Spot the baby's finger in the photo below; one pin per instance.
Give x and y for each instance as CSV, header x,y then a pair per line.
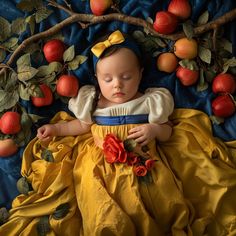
x,y
134,130
133,135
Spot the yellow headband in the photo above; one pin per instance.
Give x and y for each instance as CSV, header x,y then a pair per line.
x,y
115,38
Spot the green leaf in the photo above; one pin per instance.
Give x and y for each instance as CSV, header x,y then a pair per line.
x,y
2,55
190,64
4,215
129,145
139,36
11,43
203,19
30,49
42,13
23,185
48,79
31,21
12,82
8,99
24,92
24,136
202,85
229,63
18,26
69,54
159,42
226,44
35,91
26,72
216,120
210,75
204,54
78,60
47,155
5,29
188,29
35,118
44,71
150,21
43,226
38,4
25,5
61,211
24,60
55,67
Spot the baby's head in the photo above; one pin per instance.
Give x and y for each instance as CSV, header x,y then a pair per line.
x,y
111,43
117,66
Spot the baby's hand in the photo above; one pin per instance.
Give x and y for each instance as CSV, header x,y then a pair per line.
x,y
46,132
142,134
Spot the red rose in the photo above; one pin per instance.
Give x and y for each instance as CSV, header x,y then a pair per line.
x,y
149,163
113,149
140,170
132,159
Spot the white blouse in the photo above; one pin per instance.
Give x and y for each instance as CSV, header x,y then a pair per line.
x,y
158,103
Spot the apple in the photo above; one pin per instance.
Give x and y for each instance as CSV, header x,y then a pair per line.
x,y
98,7
223,106
7,147
224,83
165,22
47,98
185,48
180,8
53,50
67,85
186,76
167,62
10,122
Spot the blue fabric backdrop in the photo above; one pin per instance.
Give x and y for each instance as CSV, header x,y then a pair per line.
x,y
185,97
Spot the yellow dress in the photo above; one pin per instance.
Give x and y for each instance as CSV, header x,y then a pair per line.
x,y
193,180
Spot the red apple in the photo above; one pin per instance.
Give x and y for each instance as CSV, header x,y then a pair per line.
x,y
53,50
10,122
98,7
180,8
224,83
223,106
165,22
47,98
67,85
7,147
186,76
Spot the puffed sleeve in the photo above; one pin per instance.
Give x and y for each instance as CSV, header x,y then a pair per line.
x,y
81,105
160,104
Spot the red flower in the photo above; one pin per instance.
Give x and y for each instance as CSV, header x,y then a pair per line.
x,y
140,170
149,164
113,149
132,158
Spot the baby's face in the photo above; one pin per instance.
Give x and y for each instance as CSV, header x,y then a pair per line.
x,y
119,76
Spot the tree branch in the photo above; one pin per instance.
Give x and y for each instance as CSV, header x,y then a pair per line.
x,y
92,19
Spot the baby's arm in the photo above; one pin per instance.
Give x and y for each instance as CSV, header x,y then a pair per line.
x,y
143,134
71,128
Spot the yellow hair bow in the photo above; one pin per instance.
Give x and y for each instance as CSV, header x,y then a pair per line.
x,y
114,38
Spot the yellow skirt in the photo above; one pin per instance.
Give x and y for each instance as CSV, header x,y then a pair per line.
x,y
192,190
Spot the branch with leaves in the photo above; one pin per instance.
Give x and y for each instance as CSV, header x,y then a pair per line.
x,y
86,20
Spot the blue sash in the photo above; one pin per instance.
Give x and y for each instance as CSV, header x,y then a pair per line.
x,y
121,120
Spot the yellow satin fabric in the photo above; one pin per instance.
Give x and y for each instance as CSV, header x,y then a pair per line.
x,y
193,189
